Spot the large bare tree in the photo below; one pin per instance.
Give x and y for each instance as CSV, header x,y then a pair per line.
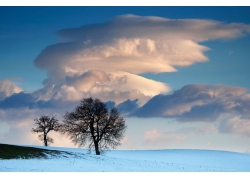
x,y
92,122
44,125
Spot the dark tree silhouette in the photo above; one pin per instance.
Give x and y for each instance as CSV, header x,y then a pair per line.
x,y
44,125
92,122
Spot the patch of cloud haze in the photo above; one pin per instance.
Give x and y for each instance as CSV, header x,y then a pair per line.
x,y
155,138
19,123
125,143
198,130
235,125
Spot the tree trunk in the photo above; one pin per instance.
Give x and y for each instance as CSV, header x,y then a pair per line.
x,y
45,140
97,152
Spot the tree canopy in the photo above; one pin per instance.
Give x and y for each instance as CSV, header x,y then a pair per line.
x,y
92,122
44,125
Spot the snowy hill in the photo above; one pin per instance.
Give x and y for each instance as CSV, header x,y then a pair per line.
x,y
79,160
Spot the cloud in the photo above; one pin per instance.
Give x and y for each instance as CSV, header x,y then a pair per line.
x,y
234,125
105,60
4,128
200,130
172,136
16,125
198,102
18,100
116,86
112,86
127,106
125,142
133,44
7,88
156,138
20,133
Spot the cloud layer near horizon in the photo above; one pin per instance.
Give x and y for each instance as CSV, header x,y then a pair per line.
x,y
198,102
226,106
229,106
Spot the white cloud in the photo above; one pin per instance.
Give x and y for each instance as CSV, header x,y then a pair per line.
x,y
115,86
98,80
67,93
87,57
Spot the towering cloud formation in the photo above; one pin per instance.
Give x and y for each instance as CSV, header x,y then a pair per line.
x,y
105,60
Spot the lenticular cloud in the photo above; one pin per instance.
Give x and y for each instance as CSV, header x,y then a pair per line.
x,y
88,57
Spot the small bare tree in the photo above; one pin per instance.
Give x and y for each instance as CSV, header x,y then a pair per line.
x,y
44,125
92,122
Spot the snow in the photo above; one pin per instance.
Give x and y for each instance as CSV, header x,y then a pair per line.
x,y
79,160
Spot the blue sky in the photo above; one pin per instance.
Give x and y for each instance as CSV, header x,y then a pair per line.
x,y
187,66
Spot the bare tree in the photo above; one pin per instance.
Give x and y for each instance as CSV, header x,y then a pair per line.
x,y
44,125
92,122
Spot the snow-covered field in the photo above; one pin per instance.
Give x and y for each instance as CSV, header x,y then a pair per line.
x,y
79,160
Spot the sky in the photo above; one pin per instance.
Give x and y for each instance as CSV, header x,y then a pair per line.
x,y
178,74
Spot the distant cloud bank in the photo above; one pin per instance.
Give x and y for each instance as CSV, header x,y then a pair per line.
x,y
198,102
